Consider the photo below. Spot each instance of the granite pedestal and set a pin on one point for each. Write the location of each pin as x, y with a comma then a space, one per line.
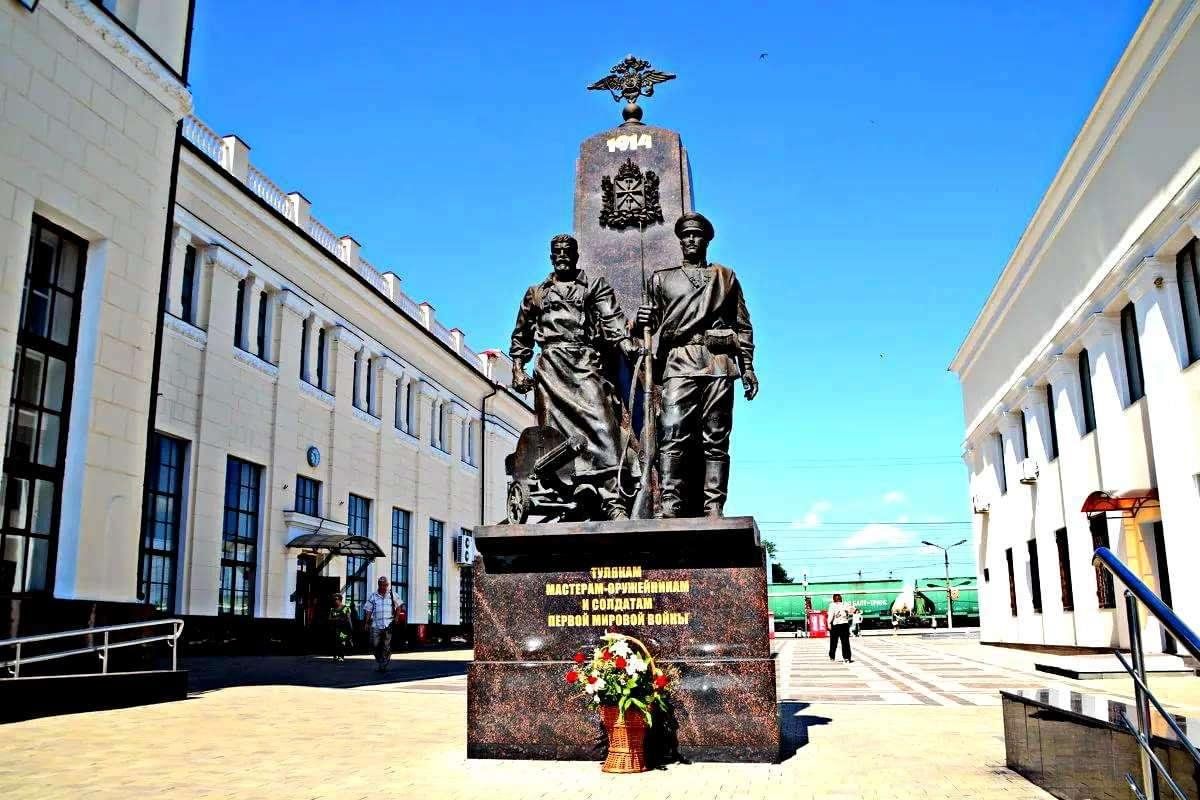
694, 590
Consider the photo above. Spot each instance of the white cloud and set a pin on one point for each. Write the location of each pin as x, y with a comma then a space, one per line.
878, 534
895, 497
814, 516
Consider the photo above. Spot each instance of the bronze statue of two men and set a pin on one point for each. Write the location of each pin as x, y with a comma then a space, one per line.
697, 313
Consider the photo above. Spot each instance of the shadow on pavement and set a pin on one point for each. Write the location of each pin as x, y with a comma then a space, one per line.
793, 728
206, 673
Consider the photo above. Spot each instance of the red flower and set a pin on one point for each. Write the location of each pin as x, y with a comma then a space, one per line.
619, 663
579, 658
660, 681
591, 678
572, 676
605, 655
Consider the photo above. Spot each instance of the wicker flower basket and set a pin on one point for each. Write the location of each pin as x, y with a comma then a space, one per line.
626, 741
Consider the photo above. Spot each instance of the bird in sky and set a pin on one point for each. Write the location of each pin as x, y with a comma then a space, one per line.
762, 56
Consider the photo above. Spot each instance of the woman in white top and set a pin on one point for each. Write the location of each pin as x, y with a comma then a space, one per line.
839, 615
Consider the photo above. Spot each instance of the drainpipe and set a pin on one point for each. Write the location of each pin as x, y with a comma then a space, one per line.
483, 452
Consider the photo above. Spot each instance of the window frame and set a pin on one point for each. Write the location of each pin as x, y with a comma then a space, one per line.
174, 494
1012, 582
401, 551
1001, 468
308, 500
253, 515
358, 523
1131, 349
239, 316
1066, 587
1106, 594
262, 335
322, 357
1188, 272
187, 292
304, 328
466, 588
1052, 453
1084, 368
436, 570
1035, 575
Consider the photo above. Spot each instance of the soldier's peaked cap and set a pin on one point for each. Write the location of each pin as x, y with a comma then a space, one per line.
694, 219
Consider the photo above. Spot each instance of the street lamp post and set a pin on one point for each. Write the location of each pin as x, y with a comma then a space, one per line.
946, 559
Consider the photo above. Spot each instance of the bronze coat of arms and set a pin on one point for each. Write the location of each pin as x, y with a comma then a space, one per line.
630, 200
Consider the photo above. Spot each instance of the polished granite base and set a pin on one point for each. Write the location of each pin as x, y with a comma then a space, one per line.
1073, 745
694, 590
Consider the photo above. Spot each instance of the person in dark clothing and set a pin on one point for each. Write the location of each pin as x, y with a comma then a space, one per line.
343, 630
840, 615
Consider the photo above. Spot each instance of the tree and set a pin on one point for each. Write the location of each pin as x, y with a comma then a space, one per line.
778, 573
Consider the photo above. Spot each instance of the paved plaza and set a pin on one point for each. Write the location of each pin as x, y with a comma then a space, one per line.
912, 717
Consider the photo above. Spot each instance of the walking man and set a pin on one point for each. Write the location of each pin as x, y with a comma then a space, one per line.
840, 615
381, 610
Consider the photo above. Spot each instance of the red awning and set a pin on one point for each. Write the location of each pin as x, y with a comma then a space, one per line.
1123, 504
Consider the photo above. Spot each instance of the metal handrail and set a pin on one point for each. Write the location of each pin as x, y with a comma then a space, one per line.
104, 646
1136, 591
1169, 619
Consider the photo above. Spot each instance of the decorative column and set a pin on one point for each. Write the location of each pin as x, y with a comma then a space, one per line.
314, 331
180, 242
1101, 336
254, 286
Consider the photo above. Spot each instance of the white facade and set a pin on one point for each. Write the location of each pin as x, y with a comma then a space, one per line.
1097, 271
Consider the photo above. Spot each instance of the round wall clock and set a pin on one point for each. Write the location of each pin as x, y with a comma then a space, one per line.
314, 456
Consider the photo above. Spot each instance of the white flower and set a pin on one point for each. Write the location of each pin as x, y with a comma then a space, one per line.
620, 648
594, 688
635, 664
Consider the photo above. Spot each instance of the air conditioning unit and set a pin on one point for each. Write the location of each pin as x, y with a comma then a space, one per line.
464, 549
1029, 471
980, 505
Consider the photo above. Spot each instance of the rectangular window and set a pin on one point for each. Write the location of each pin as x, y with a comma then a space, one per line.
466, 585
1064, 569
239, 538
987, 577
1001, 474
1053, 423
401, 520
239, 313
358, 524
1024, 436
1133, 354
188, 294
40, 407
264, 326
1012, 582
1035, 576
1106, 597
308, 496
369, 401
436, 529
304, 376
160, 527
1085, 391
321, 348
1189, 297
356, 401
410, 408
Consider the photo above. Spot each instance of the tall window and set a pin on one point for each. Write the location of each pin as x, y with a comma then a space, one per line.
1106, 597
359, 524
1012, 582
435, 427
1053, 423
369, 401
466, 589
264, 326
1064, 570
1133, 354
1024, 436
436, 529
356, 401
308, 496
1085, 391
321, 351
1001, 474
304, 350
1189, 297
188, 295
410, 408
164, 504
401, 520
239, 314
40, 406
1035, 576
239, 545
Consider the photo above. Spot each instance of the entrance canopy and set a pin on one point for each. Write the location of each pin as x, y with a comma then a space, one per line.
338, 544
1123, 504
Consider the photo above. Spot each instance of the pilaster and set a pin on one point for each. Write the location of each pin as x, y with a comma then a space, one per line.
180, 241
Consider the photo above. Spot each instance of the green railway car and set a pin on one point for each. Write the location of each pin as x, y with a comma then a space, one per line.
966, 606
873, 598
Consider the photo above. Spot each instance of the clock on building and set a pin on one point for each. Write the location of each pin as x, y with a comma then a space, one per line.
314, 456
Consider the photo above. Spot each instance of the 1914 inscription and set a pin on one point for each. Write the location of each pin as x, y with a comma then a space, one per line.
616, 596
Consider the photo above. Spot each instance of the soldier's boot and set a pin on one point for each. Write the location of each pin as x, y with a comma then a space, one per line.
671, 472
716, 487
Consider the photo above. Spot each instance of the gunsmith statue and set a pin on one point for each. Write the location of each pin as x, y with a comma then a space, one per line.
705, 343
576, 322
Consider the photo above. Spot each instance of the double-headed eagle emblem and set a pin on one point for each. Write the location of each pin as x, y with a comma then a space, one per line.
631, 79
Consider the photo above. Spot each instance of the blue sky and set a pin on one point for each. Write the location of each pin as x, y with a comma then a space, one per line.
868, 178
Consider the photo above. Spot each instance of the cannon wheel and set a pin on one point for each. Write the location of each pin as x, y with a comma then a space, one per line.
519, 503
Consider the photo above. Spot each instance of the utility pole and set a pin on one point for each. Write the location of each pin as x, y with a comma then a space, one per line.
949, 600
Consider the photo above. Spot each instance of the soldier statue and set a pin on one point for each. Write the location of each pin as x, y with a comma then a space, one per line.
705, 342
575, 320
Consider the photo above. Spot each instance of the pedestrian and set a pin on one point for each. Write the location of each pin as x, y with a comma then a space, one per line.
857, 629
343, 630
381, 610
840, 614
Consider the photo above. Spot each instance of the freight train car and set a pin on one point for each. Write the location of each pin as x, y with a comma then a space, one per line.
965, 591
873, 598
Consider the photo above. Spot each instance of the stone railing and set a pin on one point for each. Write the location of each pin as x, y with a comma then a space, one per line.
232, 155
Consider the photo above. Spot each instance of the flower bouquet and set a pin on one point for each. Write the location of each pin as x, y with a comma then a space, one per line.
618, 679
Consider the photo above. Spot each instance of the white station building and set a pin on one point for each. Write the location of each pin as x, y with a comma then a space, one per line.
1081, 388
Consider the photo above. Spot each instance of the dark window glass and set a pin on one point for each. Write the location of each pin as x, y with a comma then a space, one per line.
1053, 422
304, 351
436, 530
1064, 569
160, 528
1012, 582
1001, 474
987, 576
239, 539
1024, 436
358, 524
401, 520
410, 409
1035, 576
368, 401
321, 358
189, 281
466, 585
358, 401
1133, 354
40, 407
1105, 596
1189, 298
238, 314
308, 496
1085, 391
264, 325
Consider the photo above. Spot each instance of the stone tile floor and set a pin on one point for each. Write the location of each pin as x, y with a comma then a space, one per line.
912, 718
